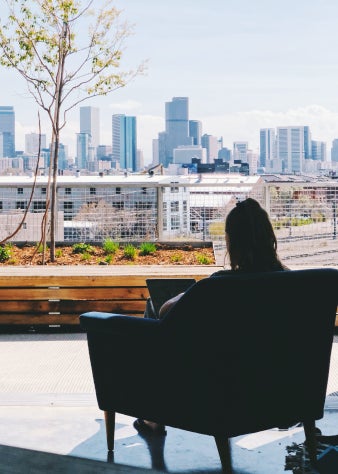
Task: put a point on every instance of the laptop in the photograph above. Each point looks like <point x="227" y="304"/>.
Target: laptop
<point x="162" y="289"/>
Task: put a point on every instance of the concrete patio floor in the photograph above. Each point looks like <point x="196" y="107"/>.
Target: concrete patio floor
<point x="48" y="405"/>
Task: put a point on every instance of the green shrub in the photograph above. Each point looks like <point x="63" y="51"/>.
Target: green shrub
<point x="129" y="252"/>
<point x="85" y="256"/>
<point x="109" y="258"/>
<point x="147" y="248"/>
<point x="175" y="258"/>
<point x="58" y="253"/>
<point x="110" y="247"/>
<point x="203" y="259"/>
<point x="5" y="253"/>
<point x="39" y="248"/>
<point x="82" y="248"/>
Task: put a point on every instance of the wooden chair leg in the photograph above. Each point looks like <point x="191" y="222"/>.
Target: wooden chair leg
<point x="109" y="418"/>
<point x="224" y="451"/>
<point x="311" y="441"/>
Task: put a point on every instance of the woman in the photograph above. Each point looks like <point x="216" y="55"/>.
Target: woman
<point x="251" y="247"/>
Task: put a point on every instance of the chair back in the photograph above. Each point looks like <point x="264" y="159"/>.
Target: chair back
<point x="254" y="349"/>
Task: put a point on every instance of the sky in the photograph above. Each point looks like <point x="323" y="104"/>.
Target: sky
<point x="244" y="64"/>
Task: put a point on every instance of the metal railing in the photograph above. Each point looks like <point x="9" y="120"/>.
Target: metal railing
<point x="304" y="215"/>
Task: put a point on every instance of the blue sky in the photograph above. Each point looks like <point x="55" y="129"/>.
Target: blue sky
<point x="244" y="65"/>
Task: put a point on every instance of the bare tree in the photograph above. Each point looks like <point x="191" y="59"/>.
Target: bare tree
<point x="67" y="52"/>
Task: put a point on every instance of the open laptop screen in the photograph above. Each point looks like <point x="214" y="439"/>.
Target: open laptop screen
<point x="162" y="289"/>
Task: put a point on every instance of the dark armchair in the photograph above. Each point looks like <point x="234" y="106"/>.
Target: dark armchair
<point x="238" y="354"/>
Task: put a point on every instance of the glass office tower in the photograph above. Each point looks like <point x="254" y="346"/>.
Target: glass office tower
<point x="7" y="130"/>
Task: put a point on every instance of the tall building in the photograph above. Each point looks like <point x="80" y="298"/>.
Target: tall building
<point x="7" y="131"/>
<point x="124" y="141"/>
<point x="334" y="151"/>
<point x="90" y="124"/>
<point x="32" y="142"/>
<point x="318" y="150"/>
<point x="293" y="146"/>
<point x="211" y="144"/>
<point x="267" y="148"/>
<point x="195" y="131"/>
<point x="82" y="150"/>
<point x="240" y="151"/>
<point x="176" y="129"/>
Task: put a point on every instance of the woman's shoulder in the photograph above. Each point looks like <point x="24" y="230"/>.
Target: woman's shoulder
<point x="221" y="273"/>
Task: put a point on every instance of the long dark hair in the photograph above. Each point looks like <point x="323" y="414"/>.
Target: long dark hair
<point x="251" y="241"/>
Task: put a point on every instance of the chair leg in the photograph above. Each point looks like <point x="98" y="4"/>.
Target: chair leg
<point x="109" y="418"/>
<point x="311" y="441"/>
<point x="223" y="447"/>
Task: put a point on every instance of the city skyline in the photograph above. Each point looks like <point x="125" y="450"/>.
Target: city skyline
<point x="243" y="65"/>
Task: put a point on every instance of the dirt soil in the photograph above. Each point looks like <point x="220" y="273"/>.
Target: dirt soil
<point x="164" y="255"/>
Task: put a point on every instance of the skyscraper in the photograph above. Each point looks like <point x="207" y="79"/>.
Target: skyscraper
<point x="7" y="130"/>
<point x="334" y="150"/>
<point x="240" y="151"/>
<point x="90" y="124"/>
<point x="176" y="129"/>
<point x="210" y="143"/>
<point x="293" y="146"/>
<point x="195" y="131"/>
<point x="124" y="141"/>
<point x="32" y="141"/>
<point x="267" y="149"/>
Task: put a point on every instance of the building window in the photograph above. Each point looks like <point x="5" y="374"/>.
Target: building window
<point x="174" y="189"/>
<point x="118" y="190"/>
<point x="20" y="205"/>
<point x="144" y="190"/>
<point x="39" y="206"/>
<point x="68" y="190"/>
<point x="24" y="225"/>
<point x="43" y="190"/>
<point x="175" y="222"/>
<point x="20" y="190"/>
<point x="68" y="210"/>
<point x="92" y="191"/>
<point x="1" y="205"/>
<point x="175" y="206"/>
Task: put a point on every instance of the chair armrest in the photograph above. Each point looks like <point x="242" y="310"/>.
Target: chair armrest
<point x="117" y="323"/>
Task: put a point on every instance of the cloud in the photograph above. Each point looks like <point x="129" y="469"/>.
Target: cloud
<point x="245" y="126"/>
<point x="125" y="106"/>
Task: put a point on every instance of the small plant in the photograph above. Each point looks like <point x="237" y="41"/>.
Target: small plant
<point x="85" y="256"/>
<point x="129" y="252"/>
<point x="203" y="259"/>
<point x="109" y="259"/>
<point x="147" y="248"/>
<point x="39" y="248"/>
<point x="110" y="247"/>
<point x="175" y="258"/>
<point x="82" y="248"/>
<point x="5" y="254"/>
<point x="58" y="253"/>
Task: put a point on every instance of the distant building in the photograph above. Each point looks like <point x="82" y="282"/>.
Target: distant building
<point x="7" y="132"/>
<point x="267" y="148"/>
<point x="33" y="141"/>
<point x="124" y="141"/>
<point x="334" y="151"/>
<point x="176" y="129"/>
<point x="90" y="124"/>
<point x="318" y="150"/>
<point x="240" y="151"/>
<point x="293" y="145"/>
<point x="195" y="131"/>
<point x="211" y="144"/>
<point x="224" y="154"/>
